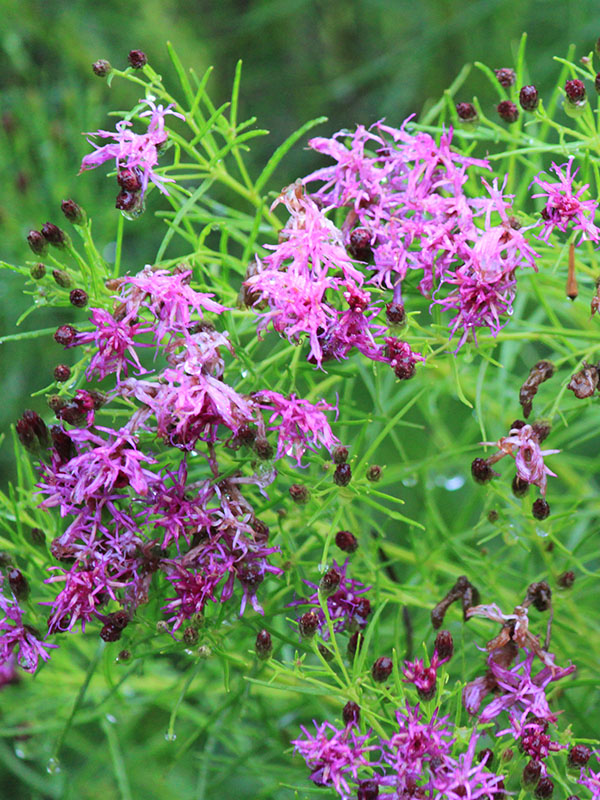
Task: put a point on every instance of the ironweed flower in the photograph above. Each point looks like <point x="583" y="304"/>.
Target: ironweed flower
<point x="134" y="150"/>
<point x="18" y="639"/>
<point x="523" y="445"/>
<point x="564" y="207"/>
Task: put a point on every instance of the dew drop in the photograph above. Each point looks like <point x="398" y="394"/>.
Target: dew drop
<point x="454" y="483"/>
<point x="53" y="766"/>
<point x="111" y="719"/>
<point x="541" y="533"/>
<point x="170" y="736"/>
<point x="409" y="481"/>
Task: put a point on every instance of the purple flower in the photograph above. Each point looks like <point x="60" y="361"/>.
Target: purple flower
<point x="564" y="208"/>
<point x="300" y="425"/>
<point x="461" y="779"/>
<point x="523" y="445"/>
<point x="133" y="150"/>
<point x="18" y="638"/>
<point x="332" y="758"/>
<point x="114" y="342"/>
<point x="348" y="607"/>
<point x="591" y="781"/>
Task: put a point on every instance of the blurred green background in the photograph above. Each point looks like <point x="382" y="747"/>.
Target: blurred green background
<point x="352" y="61"/>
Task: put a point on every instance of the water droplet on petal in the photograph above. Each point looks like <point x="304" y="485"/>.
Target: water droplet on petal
<point x="53" y="766"/>
<point x="170" y="736"/>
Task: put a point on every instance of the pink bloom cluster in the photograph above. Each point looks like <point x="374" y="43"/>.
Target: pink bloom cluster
<point x="18" y="638"/>
<point x="130" y="517"/>
<point x="564" y="207"/>
<point x="523" y="445"/>
<point x="406" y="211"/>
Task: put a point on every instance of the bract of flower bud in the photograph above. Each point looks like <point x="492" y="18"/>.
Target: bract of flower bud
<point x="528" y="98"/>
<point x="508" y="111"/>
<point x="137" y="59"/>
<point x="73" y="212"/>
<point x="101" y="68"/>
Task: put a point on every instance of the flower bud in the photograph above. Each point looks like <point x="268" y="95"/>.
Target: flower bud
<point x="62" y="373"/>
<point x="101" y="68"/>
<point x="110" y="633"/>
<point x="65" y="335"/>
<point x="486" y="756"/>
<point x="374" y="473"/>
<point x="531" y="772"/>
<point x="124" y="655"/>
<point x="351" y="713"/>
<point x="62" y="444"/>
<point x="32" y="432"/>
<point x="329" y="582"/>
<point x="368" y="790"/>
<point x="585" y="382"/>
<point x="540" y="595"/>
<point x="346" y="541"/>
<point x="355" y="642"/>
<point x="263" y="645"/>
<point x="308" y="624"/>
<point x="444" y="645"/>
<point x="466" y="112"/>
<point x="54" y="235"/>
<point x="62" y="278"/>
<point x="493" y="515"/>
<point x="508" y="111"/>
<point x="528" y="98"/>
<point x="129" y="179"/>
<point x="578" y="756"/>
<point x="18" y="584"/>
<point x="545" y="789"/>
<point x="137" y="59"/>
<point x="506" y="76"/>
<point x="73" y="212"/>
<point x="359" y="245"/>
<point x="395" y="314"/>
<point x="540" y="509"/>
<point x="542" y="429"/>
<point x="566" y="579"/>
<point x="342" y="475"/>
<point x="37" y="242"/>
<point x="481" y="471"/>
<point x="519" y="487"/>
<point x="127" y="201"/>
<point x="325" y="652"/>
<point x="381" y="669"/>
<point x="339" y="455"/>
<point x="190" y="636"/>
<point x="37" y="272"/>
<point x="38" y="537"/>
<point x="263" y="448"/>
<point x="575" y="91"/>
<point x="299" y="493"/>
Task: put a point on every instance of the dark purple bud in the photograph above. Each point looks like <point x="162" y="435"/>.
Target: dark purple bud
<point x="261" y="531"/>
<point x="263" y="645"/>
<point x="54" y="235"/>
<point x="62" y="444"/>
<point x="542" y="429"/>
<point x="374" y="473"/>
<point x="299" y="494"/>
<point x="65" y="335"/>
<point x="37" y="272"/>
<point x="540" y="509"/>
<point x="368" y="790"/>
<point x="38" y="537"/>
<point x="486" y="756"/>
<point x="250" y="575"/>
<point x="507" y="754"/>
<point x="18" y="584"/>
<point x="597" y="83"/>
<point x="355" y="642"/>
<point x="579" y="755"/>
<point x="263" y="449"/>
<point x="62" y="373"/>
<point x="481" y="471"/>
<point x="517" y="424"/>
<point x="531" y="772"/>
<point x="62" y="278"/>
<point x="493" y="515"/>
<point x="32" y="432"/>
<point x="110" y="633"/>
<point x="573" y="797"/>
<point x="126" y="201"/>
<point x="308" y="624"/>
<point x="395" y="313"/>
<point x="381" y="669"/>
<point x="129" y="179"/>
<point x="346" y="541"/>
<point x="359" y="245"/>
<point x="329" y="582"/>
<point x="539" y="595"/>
<point x="566" y="579"/>
<point x="325" y="652"/>
<point x="466" y="112"/>
<point x="124" y="655"/>
<point x="342" y="475"/>
<point x="545" y="788"/>
<point x="137" y="59"/>
<point x="506" y="76"/>
<point x="528" y="98"/>
<point x="519" y="487"/>
<point x="339" y="455"/>
<point x="585" y="382"/>
<point x="190" y="636"/>
<point x="101" y="68"/>
<point x="444" y="645"/>
<point x="37" y="242"/>
<point x="351" y="713"/>
<point x="73" y="212"/>
<point x="575" y="90"/>
<point x="508" y="111"/>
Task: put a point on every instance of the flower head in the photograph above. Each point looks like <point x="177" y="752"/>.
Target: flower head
<point x="564" y="207"/>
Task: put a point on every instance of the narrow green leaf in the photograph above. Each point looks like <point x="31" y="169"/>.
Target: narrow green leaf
<point x="283" y="148"/>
